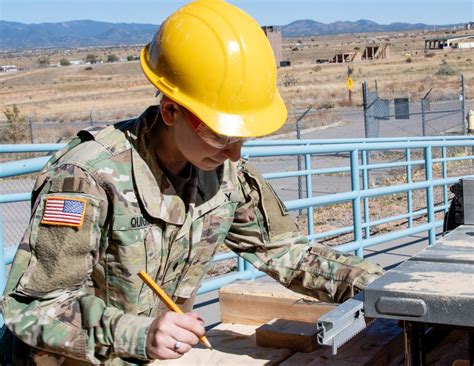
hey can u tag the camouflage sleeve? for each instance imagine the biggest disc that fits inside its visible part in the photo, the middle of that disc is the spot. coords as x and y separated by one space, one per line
49 301
264 234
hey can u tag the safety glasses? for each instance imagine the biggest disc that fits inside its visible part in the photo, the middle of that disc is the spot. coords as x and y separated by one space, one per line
209 136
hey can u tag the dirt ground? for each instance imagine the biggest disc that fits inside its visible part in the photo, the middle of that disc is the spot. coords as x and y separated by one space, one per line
119 90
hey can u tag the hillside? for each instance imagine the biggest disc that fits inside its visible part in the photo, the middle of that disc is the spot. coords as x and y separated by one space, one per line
84 33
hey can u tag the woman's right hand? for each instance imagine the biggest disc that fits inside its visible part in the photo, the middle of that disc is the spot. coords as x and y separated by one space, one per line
171 335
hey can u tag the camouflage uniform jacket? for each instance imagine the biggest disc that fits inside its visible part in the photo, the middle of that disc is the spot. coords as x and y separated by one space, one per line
74 291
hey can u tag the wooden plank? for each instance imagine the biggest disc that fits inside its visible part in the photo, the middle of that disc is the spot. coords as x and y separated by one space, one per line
291 334
453 348
379 344
233 345
257 302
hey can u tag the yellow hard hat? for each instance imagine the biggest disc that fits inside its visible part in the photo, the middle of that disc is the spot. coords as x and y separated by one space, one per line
215 60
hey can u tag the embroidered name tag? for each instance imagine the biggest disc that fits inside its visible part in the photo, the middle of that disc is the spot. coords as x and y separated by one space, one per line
64 211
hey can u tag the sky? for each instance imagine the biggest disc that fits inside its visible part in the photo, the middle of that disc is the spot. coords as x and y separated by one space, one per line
266 12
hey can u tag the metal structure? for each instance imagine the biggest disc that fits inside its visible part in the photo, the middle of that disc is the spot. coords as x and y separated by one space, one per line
432 290
418 153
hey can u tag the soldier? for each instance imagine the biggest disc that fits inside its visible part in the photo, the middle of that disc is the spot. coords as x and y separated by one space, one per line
160 193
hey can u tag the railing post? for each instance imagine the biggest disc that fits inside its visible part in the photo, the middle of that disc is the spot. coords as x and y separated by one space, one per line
3 274
445 175
409 193
240 264
429 195
365 185
356 215
309 194
365 100
249 267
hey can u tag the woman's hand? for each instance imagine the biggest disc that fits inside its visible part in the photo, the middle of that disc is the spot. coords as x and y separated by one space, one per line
171 335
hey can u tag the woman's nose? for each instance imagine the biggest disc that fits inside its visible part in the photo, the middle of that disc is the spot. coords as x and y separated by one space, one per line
232 151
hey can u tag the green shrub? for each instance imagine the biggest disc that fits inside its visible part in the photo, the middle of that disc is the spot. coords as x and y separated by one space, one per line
92 58
112 58
43 61
446 70
64 62
16 130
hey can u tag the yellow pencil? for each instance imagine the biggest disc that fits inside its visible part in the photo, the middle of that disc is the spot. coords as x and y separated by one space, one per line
167 300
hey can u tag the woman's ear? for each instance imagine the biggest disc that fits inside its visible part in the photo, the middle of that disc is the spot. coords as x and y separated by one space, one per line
169 111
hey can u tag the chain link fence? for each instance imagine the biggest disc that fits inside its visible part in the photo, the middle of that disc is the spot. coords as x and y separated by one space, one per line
15 216
385 117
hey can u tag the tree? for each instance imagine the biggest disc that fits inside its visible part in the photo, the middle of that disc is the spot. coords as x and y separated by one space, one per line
91 58
43 61
64 62
17 126
112 58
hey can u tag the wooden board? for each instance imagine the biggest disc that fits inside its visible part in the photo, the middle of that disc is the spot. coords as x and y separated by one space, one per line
233 345
379 344
257 302
281 333
453 348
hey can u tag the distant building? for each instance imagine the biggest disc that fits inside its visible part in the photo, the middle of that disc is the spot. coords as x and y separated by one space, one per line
8 68
470 25
369 53
446 43
274 37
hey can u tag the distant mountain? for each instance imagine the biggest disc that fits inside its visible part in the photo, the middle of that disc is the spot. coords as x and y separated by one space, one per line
76 33
83 33
301 28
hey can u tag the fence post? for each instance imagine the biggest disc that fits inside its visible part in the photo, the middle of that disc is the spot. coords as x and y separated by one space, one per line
463 104
423 121
30 123
90 116
423 107
365 100
298 158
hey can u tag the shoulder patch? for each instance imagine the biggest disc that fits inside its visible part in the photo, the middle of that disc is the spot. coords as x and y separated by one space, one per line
64 211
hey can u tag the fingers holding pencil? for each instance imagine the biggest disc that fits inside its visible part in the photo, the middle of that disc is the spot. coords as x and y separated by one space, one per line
172 333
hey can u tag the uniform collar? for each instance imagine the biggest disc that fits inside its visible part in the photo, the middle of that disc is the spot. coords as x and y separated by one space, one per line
155 191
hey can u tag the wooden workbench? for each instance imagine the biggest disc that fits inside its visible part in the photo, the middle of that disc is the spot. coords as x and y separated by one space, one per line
245 306
234 344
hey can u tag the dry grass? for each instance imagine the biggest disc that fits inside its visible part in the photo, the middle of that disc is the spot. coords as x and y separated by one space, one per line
119 90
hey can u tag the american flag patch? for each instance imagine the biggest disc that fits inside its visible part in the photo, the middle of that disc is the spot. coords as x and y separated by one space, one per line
64 211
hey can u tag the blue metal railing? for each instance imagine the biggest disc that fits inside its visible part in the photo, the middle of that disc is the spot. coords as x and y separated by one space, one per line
417 152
